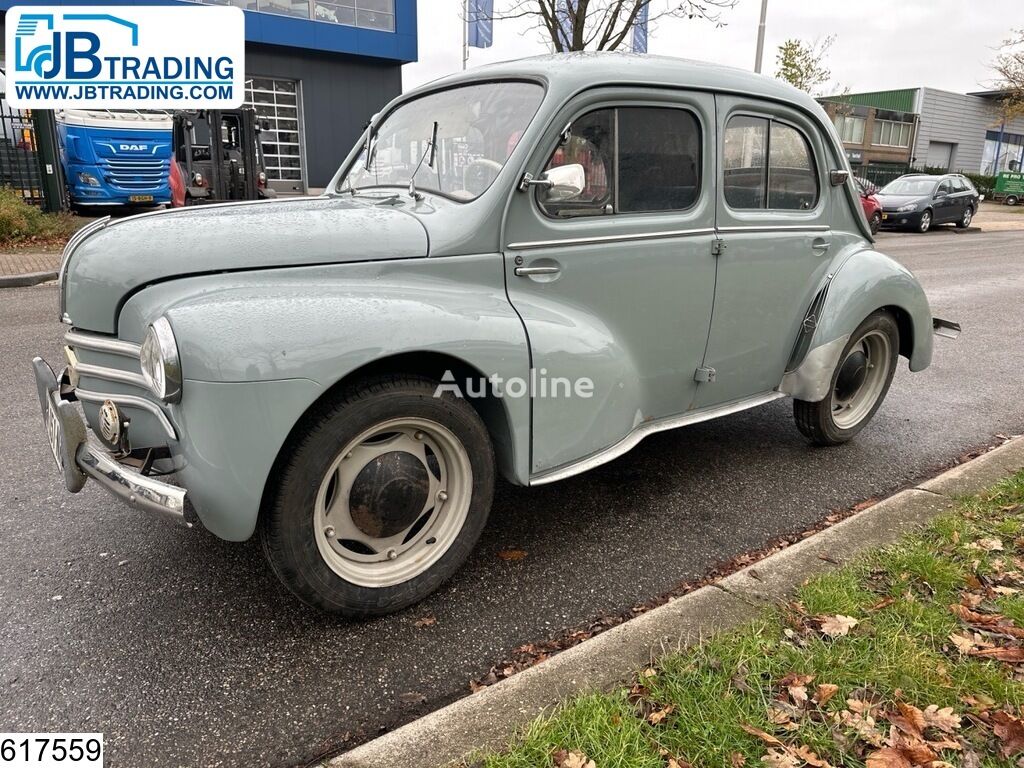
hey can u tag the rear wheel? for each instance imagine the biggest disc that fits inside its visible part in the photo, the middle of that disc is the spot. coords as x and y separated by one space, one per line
926 222
1012 200
965 220
859 384
380 499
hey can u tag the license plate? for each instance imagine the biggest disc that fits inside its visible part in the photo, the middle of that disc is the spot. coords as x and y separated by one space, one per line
54 434
140 198
885 216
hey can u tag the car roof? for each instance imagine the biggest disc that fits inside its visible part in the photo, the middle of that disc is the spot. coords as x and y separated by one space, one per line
571 72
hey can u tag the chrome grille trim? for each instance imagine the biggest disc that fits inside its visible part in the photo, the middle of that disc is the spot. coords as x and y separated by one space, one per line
78 339
111 374
130 401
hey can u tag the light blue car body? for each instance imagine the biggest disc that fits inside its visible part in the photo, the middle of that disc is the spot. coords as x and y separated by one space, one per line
275 304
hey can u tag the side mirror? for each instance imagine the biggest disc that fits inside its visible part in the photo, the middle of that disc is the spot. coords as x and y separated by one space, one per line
565 182
838 177
940 194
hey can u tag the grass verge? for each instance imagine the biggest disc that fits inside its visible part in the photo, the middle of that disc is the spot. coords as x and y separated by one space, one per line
24 225
911 656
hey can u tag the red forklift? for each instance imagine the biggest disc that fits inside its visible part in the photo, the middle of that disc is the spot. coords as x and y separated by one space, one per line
218 157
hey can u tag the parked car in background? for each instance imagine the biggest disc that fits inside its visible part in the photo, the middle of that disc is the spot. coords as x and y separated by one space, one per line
920 201
521 270
869 202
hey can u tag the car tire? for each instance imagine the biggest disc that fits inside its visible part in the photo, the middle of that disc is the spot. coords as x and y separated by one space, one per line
362 539
875 223
1011 200
965 220
858 386
926 222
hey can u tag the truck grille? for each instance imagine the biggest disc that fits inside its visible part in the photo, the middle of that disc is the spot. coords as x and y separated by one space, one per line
136 174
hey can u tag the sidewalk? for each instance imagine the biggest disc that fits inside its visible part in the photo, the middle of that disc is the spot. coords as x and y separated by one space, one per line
28 268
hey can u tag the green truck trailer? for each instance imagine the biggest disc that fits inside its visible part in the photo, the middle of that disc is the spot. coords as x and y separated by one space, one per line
1009 188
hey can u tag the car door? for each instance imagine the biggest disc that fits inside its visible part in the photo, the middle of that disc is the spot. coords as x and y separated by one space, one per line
773 219
615 281
944 203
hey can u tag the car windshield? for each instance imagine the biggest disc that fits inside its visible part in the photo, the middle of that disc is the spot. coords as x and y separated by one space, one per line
910 187
478 127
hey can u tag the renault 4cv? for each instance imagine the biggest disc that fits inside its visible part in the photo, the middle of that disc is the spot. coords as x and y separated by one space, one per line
677 241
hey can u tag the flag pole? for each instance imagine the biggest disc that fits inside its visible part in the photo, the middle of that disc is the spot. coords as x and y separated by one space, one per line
465 33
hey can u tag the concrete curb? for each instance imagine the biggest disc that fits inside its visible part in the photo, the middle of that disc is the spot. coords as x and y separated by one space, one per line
492 716
21 281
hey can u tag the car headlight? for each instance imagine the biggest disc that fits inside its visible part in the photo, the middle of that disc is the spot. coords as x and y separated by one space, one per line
161 367
907 208
88 179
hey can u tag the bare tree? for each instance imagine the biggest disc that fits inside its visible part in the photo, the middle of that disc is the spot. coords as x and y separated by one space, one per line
801 64
1009 68
603 25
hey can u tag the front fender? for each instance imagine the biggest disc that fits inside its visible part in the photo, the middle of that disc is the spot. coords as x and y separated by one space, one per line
865 282
296 333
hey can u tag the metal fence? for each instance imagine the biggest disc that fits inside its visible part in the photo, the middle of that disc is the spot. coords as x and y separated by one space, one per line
30 156
880 175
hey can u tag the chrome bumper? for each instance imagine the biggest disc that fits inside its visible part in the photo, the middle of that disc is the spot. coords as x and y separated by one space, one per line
78 458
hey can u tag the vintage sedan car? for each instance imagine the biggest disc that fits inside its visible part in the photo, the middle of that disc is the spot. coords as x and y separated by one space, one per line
522 270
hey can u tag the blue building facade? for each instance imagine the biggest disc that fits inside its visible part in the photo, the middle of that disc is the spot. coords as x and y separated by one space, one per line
315 72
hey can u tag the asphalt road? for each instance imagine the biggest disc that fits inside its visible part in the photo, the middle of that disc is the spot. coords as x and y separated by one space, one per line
183 650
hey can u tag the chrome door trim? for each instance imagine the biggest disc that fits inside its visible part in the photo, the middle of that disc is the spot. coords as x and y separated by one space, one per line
78 339
777 228
132 402
527 271
598 239
650 428
111 374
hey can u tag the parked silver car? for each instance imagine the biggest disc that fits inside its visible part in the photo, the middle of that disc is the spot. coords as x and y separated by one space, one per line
521 270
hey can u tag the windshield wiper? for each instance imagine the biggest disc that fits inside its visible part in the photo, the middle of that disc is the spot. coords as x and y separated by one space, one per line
432 154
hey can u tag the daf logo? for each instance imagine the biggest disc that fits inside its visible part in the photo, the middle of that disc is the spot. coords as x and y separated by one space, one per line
110 423
133 147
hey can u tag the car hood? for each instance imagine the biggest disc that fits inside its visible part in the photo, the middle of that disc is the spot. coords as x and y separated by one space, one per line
895 201
116 260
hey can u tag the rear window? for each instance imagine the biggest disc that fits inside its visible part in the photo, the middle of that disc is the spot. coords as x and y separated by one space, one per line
768 164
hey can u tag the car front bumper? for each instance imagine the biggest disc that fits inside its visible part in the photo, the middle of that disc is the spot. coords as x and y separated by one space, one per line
80 459
894 220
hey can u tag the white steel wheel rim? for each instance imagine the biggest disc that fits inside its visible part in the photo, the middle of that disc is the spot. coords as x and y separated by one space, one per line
852 404
376 555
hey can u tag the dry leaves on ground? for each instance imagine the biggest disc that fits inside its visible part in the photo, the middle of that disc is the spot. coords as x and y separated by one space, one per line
563 758
837 626
511 555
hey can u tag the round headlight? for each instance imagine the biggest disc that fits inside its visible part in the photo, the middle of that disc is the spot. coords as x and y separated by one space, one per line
159 358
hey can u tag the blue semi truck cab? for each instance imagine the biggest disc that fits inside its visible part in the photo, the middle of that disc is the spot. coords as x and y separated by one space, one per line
116 157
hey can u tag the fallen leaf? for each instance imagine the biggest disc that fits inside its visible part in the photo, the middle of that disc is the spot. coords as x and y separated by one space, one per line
883 603
809 757
838 626
824 692
565 759
736 760
973 617
945 719
511 555
659 714
780 759
426 621
964 643
1010 732
767 738
888 758
989 544
673 763
1009 655
1005 591
910 720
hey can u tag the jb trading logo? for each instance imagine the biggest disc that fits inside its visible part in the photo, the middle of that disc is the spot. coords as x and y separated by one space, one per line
139 57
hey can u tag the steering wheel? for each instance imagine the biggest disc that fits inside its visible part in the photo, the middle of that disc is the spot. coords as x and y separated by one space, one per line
479 181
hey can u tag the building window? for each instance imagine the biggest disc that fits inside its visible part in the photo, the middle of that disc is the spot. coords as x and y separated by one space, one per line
890 134
850 129
277 112
369 14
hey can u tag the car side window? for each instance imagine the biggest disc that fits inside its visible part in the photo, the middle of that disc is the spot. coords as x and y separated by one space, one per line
634 160
959 185
946 187
767 164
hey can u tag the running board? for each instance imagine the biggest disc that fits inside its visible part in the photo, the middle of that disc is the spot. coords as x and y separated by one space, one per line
639 433
947 329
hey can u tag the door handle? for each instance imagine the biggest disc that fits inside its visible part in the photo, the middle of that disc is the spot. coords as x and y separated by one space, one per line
820 244
527 271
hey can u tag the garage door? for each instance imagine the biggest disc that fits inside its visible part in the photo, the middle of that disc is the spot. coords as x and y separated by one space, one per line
940 155
278 108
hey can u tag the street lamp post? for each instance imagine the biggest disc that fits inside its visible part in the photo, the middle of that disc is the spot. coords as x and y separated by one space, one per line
465 33
760 37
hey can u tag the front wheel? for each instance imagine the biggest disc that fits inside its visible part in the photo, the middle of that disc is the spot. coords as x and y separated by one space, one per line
876 222
859 384
926 222
965 220
379 498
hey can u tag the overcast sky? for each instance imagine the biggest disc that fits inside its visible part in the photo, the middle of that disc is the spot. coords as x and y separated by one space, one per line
880 44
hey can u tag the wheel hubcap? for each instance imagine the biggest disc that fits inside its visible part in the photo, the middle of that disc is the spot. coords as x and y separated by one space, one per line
967 217
392 502
861 379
